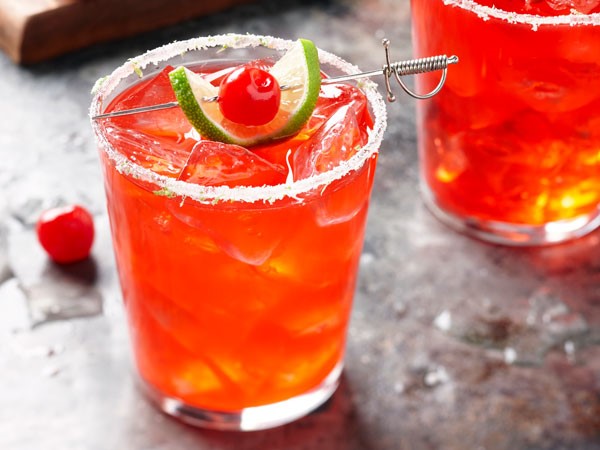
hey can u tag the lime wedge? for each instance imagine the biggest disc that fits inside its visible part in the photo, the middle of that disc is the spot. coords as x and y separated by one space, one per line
298 70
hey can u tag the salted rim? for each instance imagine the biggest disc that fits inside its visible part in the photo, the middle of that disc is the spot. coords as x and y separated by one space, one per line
248 194
487 12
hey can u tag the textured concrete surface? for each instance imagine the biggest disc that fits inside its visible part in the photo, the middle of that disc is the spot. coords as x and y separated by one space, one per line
454 344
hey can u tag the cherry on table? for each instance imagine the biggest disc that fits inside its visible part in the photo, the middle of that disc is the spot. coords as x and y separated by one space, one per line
249 96
66 233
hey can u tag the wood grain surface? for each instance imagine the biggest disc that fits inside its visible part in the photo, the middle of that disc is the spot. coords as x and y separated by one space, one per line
36 30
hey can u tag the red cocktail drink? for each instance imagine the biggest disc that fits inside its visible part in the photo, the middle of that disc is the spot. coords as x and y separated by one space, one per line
510 147
237 266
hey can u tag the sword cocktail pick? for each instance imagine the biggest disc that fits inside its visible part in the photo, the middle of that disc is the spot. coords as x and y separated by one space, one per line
397 69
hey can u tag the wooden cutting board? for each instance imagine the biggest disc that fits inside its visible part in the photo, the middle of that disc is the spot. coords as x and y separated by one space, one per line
35 30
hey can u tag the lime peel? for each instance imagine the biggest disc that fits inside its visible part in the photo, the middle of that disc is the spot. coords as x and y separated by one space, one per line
298 67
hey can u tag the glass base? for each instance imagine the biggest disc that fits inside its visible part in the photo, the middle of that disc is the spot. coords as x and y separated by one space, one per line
510 233
248 419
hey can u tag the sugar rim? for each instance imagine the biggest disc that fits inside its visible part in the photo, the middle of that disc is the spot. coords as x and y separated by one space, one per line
247 194
487 12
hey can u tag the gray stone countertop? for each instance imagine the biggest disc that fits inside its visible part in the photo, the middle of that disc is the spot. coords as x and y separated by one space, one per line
454 344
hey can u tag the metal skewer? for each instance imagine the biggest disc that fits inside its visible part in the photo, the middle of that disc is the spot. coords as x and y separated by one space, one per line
397 69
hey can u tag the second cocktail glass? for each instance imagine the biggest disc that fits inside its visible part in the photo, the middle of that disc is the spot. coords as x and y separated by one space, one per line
510 149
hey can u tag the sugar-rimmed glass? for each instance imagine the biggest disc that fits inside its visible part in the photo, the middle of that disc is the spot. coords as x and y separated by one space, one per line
263 341
509 148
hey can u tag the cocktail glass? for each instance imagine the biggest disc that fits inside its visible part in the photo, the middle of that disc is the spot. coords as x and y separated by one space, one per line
509 149
237 298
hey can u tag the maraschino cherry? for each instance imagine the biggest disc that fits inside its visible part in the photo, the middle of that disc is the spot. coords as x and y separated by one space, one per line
249 96
66 233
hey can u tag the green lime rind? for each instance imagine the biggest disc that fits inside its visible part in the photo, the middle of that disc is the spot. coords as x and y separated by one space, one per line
313 87
192 110
301 61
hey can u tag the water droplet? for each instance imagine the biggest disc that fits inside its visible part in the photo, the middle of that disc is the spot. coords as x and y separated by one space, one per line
443 321
366 259
435 377
399 387
510 355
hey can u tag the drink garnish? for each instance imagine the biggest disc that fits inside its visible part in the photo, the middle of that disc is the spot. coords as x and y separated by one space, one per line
214 115
249 96
66 233
298 68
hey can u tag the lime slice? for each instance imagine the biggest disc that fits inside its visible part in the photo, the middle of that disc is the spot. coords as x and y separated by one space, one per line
298 69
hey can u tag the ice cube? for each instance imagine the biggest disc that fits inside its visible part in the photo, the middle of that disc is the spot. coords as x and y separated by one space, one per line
176 350
278 152
215 163
582 6
162 155
336 131
578 46
338 139
153 91
190 324
466 84
331 98
452 161
168 122
52 292
292 362
324 310
334 96
345 200
559 5
249 236
194 378
468 78
489 106
549 85
316 258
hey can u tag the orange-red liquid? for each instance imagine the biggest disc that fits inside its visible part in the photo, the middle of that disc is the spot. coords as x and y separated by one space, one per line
235 305
514 135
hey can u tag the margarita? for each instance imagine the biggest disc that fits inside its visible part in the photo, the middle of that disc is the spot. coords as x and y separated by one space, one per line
238 265
510 149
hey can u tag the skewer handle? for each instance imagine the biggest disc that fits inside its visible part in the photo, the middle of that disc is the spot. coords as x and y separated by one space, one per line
414 67
422 65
